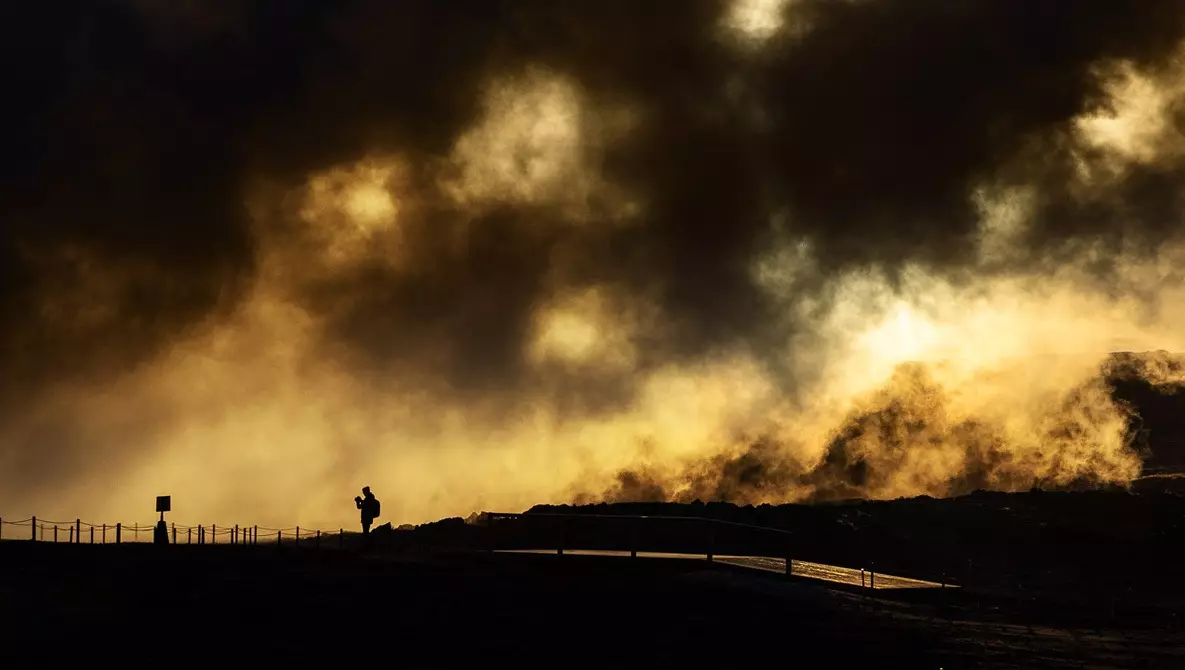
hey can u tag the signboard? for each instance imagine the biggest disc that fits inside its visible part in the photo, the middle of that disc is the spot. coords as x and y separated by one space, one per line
164 503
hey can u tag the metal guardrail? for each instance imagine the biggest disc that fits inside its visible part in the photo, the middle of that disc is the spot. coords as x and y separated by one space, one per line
635 539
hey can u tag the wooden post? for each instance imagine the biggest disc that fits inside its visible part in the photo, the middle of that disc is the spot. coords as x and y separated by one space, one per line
234 536
279 537
255 534
189 536
78 531
317 542
104 533
119 533
70 535
298 536
136 531
34 527
174 533
55 533
92 534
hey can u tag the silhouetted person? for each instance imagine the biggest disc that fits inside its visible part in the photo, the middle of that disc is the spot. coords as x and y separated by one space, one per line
370 510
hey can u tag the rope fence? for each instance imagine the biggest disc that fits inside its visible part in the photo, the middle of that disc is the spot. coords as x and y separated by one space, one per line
83 532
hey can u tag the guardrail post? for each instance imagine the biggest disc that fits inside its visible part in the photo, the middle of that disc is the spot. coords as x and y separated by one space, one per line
78 531
634 537
119 533
711 540
34 527
560 547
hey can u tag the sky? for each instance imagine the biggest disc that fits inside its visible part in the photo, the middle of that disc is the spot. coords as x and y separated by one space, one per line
484 254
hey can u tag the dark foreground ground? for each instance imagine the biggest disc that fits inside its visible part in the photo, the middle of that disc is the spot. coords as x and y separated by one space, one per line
188 606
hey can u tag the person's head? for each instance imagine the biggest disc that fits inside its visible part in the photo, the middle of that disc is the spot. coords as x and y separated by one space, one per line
365 490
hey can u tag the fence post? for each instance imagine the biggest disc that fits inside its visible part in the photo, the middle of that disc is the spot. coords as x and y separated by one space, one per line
234 535
213 533
189 536
255 534
317 542
55 533
92 534
297 536
34 527
78 531
279 537
104 533
136 531
119 532
174 533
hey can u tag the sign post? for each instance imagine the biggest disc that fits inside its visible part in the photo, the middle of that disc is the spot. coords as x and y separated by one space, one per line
163 504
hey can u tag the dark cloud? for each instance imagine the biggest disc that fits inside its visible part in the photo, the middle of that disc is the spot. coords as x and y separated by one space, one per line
133 130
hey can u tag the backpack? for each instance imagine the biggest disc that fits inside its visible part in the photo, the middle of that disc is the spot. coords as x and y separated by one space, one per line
376 507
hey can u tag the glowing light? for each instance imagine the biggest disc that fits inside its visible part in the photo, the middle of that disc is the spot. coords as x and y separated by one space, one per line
349 206
756 19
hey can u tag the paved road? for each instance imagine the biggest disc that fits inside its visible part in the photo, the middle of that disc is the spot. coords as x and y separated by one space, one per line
820 571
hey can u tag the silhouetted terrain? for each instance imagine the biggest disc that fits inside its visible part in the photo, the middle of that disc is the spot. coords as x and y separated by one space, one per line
1088 554
1077 548
226 604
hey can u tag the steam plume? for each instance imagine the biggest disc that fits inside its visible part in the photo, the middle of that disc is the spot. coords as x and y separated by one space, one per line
493 253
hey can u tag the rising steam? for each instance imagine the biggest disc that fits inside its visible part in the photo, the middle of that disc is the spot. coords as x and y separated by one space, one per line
483 258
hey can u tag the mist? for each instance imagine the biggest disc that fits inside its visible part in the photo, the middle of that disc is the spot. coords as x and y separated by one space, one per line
484 255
